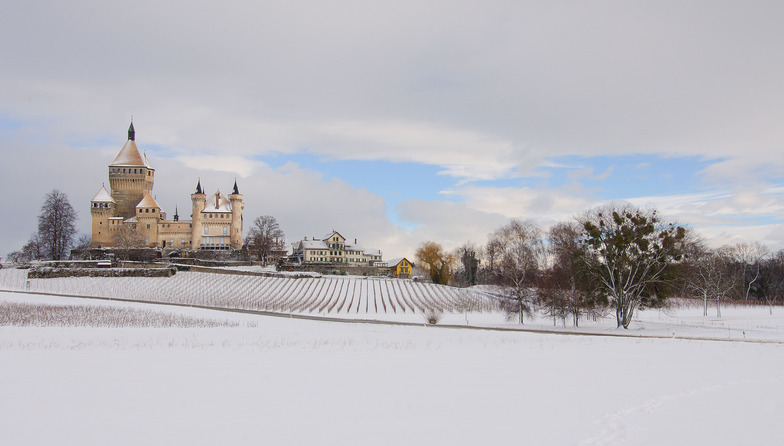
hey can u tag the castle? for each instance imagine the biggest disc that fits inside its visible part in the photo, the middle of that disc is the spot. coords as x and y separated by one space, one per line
127 215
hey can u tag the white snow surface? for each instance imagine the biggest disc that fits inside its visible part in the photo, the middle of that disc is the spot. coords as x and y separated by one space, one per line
273 380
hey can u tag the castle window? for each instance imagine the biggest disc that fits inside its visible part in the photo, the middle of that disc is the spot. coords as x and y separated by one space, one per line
147 211
148 226
153 211
206 230
225 229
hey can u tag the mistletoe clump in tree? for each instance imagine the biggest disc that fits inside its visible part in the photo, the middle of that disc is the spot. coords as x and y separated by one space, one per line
630 253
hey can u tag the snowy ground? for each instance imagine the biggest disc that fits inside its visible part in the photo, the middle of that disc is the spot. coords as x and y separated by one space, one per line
285 381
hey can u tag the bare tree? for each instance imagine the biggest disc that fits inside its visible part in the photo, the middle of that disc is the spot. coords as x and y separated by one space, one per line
564 287
773 279
265 238
83 242
56 225
127 238
32 250
749 257
628 252
521 255
492 253
710 275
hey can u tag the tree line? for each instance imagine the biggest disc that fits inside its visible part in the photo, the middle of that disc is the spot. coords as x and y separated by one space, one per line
612 258
616 257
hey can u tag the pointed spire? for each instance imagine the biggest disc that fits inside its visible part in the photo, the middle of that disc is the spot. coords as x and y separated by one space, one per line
235 191
176 214
198 187
131 132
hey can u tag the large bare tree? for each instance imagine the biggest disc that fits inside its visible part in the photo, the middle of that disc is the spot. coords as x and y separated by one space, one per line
519 256
265 238
564 287
56 225
629 253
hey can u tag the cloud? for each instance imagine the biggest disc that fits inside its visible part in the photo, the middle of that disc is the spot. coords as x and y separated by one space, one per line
486 92
462 154
447 223
221 163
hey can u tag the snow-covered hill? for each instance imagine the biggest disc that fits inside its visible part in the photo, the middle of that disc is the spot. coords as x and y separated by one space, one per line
270 380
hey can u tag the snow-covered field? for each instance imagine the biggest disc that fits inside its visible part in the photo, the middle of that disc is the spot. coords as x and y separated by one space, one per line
254 379
339 296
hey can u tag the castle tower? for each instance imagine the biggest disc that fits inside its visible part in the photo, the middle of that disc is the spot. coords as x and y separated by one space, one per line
130 177
199 200
237 207
101 208
148 213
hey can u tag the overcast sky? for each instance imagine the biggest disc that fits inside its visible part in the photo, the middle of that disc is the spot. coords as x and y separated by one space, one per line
400 121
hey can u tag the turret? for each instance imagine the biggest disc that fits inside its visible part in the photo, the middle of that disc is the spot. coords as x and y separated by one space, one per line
101 208
237 206
148 214
198 200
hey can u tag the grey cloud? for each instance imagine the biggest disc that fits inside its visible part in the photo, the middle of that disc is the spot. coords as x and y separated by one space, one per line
500 87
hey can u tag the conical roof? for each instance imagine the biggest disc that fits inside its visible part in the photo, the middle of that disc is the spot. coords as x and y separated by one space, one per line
103 196
129 156
148 202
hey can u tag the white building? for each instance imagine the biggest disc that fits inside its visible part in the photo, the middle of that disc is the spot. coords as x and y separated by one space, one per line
333 248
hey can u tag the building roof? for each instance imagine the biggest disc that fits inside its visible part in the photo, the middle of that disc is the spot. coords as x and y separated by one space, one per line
129 156
217 203
314 244
148 202
329 235
394 262
103 196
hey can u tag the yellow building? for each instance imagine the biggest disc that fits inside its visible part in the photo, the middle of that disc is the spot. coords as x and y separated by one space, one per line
127 214
400 267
